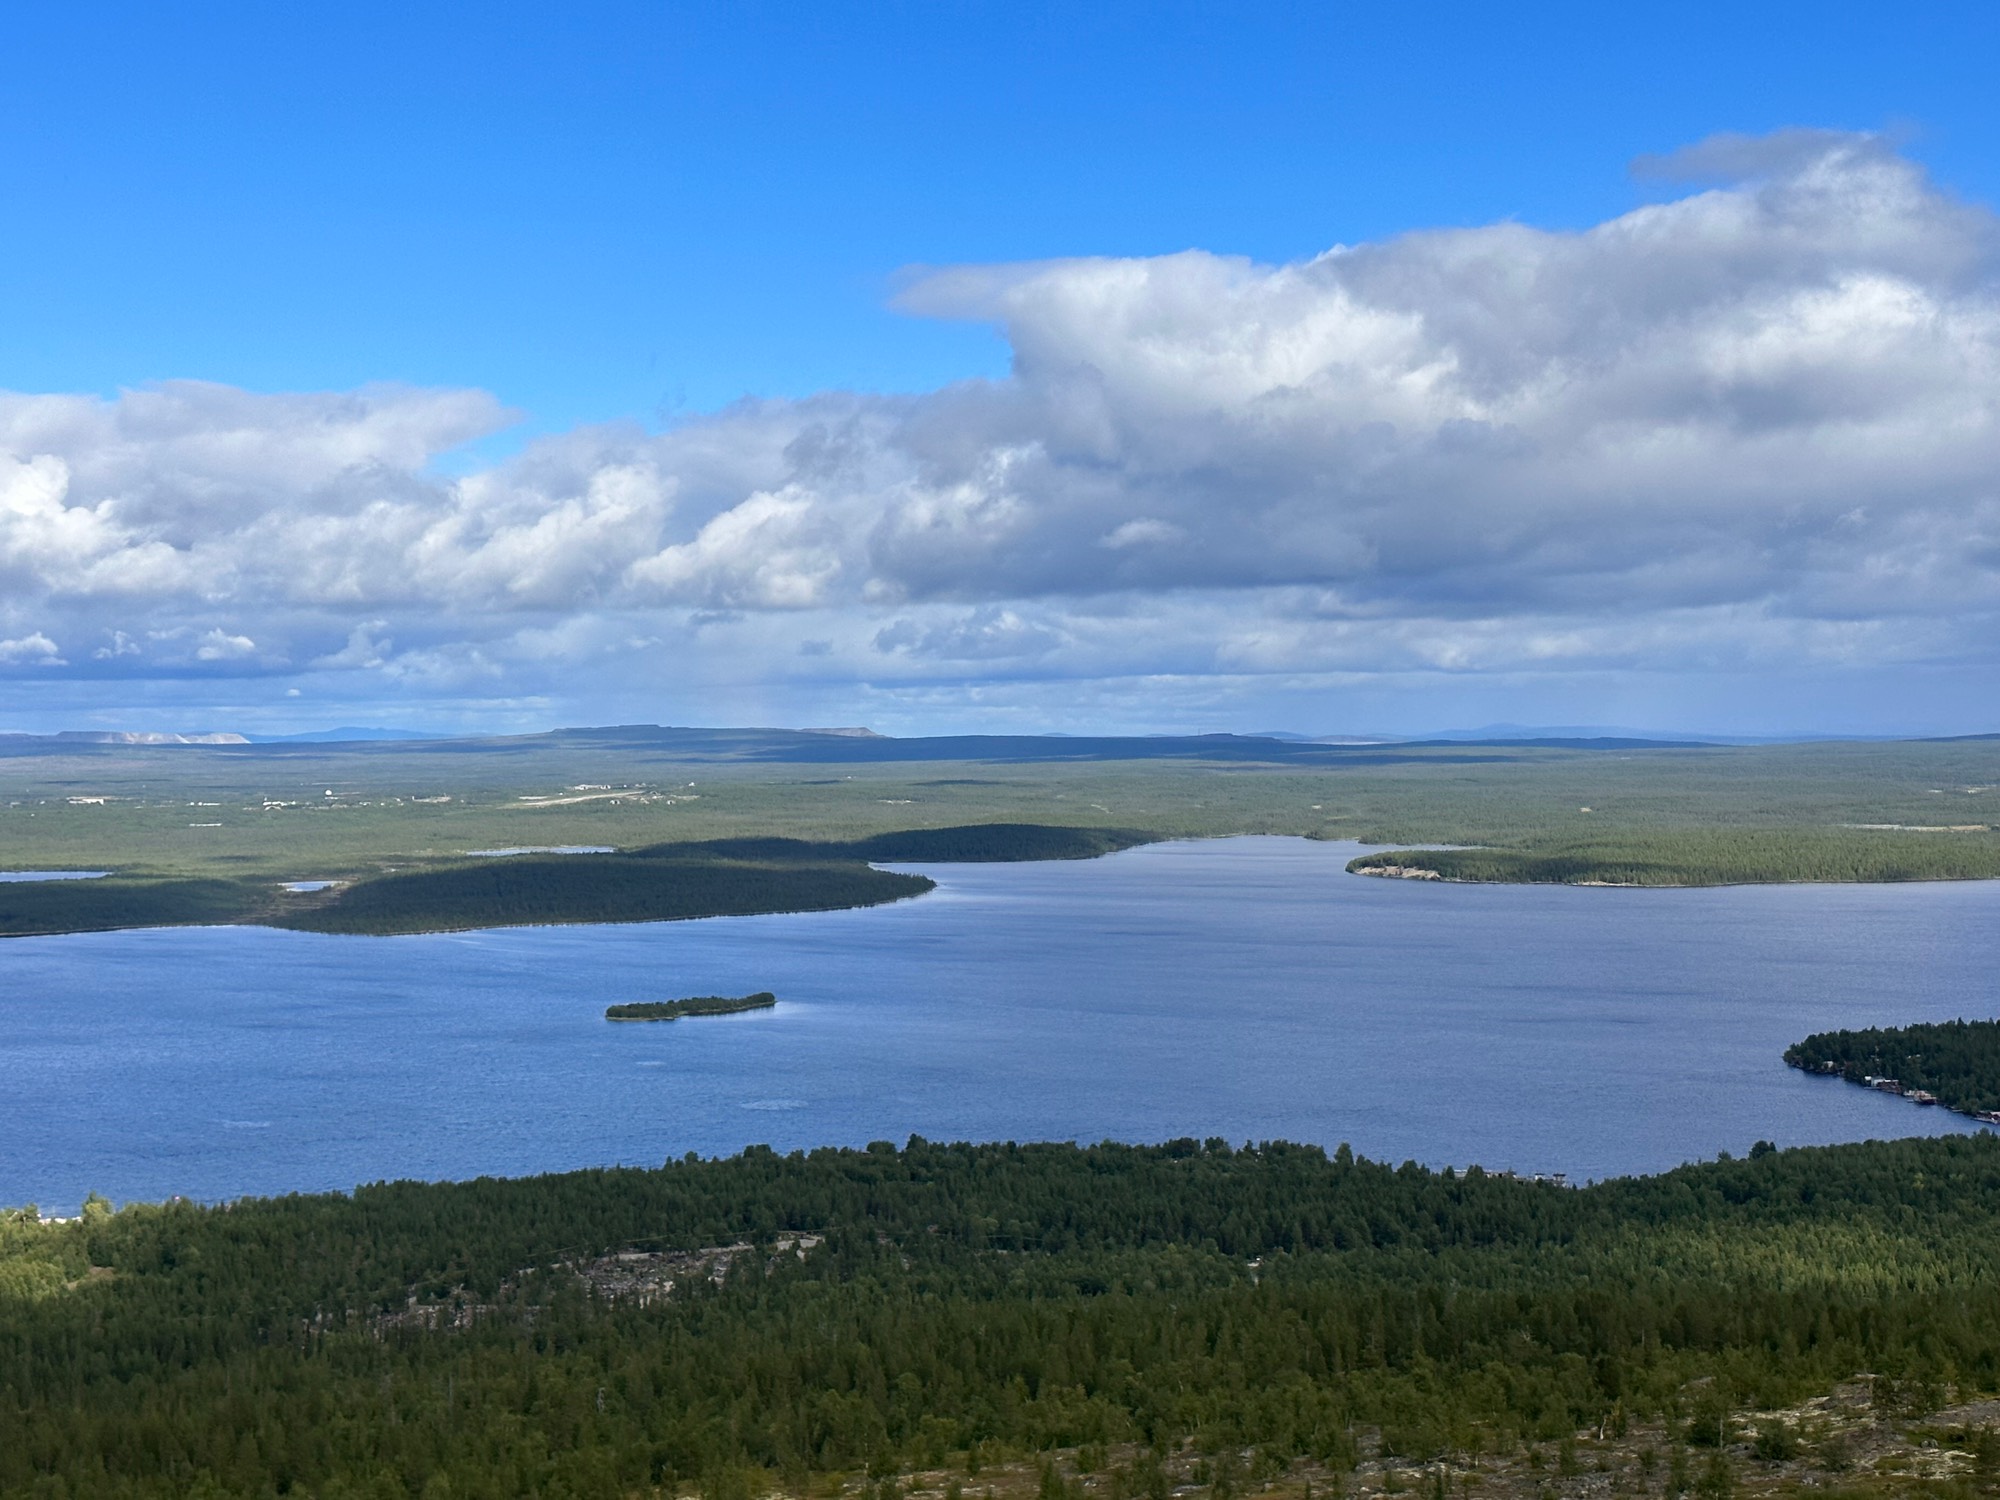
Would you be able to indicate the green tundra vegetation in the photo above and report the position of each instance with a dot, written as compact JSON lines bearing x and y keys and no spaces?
{"x":694,"y":1005}
{"x":252,"y":817}
{"x":847,"y":1311}
{"x":1959,"y":1061}
{"x":973,"y":843}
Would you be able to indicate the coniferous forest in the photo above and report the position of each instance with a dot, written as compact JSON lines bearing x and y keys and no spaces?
{"x":655,"y":883}
{"x":744,"y":1325}
{"x":1958,"y":1061}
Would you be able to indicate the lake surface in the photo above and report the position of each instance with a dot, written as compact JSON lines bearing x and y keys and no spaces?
{"x":1244,"y":988}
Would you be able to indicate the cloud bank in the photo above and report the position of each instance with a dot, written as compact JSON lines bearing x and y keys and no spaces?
{"x":1753,"y":429}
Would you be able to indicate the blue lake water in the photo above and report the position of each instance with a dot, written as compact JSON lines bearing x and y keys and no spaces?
{"x":1244,"y":988}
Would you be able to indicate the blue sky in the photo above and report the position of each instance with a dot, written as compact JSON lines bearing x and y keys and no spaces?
{"x":640,"y":214}
{"x":608,"y":210}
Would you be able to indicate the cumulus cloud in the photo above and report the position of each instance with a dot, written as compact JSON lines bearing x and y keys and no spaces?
{"x":366,"y":646}
{"x":35,"y":650}
{"x":220,"y":645}
{"x":1757,"y":421}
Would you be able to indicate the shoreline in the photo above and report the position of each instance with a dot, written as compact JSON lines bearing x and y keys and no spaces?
{"x":1425,"y":876}
{"x":1420,"y":874}
{"x":682,"y":881}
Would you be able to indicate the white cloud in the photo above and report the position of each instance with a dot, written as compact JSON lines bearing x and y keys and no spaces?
{"x":35,"y":650}
{"x":771,"y":551}
{"x":220,"y":645}
{"x":1755,"y":423}
{"x":366,"y":647}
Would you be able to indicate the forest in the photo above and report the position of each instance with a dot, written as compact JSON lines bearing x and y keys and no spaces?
{"x":653,"y":883}
{"x":867,"y":1312}
{"x":1958,"y":1061}
{"x":526,"y":890}
{"x":31,"y":907}
{"x":679,"y":880}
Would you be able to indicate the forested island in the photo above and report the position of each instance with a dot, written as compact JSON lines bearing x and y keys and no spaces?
{"x":693,"y":1005}
{"x":1952,"y":1063}
{"x":1038,"y":1321}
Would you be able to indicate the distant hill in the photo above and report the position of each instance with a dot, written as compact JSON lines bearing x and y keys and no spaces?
{"x":341,"y":736}
{"x":1526,"y":734}
{"x":811,"y":748}
{"x":846,"y":746}
{"x":137,"y":737}
{"x":1561,"y":742}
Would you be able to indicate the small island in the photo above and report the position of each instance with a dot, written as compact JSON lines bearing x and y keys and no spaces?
{"x":694,"y":1005}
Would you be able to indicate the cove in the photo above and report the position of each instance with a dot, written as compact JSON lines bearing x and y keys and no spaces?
{"x":1246,"y":988}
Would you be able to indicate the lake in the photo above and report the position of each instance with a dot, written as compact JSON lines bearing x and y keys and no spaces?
{"x":1245,"y":988}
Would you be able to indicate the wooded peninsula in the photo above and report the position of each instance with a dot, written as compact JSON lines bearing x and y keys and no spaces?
{"x":1952,"y":1063}
{"x":656,"y":883}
